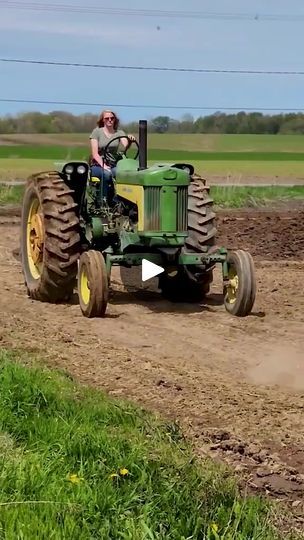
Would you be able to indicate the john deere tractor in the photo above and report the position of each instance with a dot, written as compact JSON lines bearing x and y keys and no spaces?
{"x":72,"y":234}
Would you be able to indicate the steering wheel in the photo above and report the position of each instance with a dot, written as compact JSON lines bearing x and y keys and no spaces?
{"x":110,"y":158}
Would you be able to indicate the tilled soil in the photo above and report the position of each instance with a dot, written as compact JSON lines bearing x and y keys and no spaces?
{"x":266,"y":233}
{"x":236,"y":386}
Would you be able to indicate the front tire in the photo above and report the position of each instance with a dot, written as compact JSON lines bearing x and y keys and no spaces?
{"x":93,"y":284}
{"x":240,"y":286}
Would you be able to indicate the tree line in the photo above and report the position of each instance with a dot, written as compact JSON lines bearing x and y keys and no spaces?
{"x":237,"y":123}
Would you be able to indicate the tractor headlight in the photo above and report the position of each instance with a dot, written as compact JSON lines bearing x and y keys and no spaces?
{"x":81,"y":169}
{"x":69,"y":169}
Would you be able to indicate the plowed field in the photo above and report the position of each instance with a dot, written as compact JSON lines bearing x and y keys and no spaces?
{"x":236,"y":386}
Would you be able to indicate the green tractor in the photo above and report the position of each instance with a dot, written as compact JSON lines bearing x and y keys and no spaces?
{"x":71,"y":235}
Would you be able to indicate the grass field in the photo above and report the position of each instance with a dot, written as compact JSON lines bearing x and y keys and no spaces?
{"x":77,"y":464}
{"x":241,"y":196}
{"x":225,"y":197}
{"x":188,"y":142}
{"x":155,"y":154}
{"x":15,"y":169}
{"x":11,"y":194}
{"x":231,"y":157}
{"x":230,"y":171}
{"x":240,"y":171}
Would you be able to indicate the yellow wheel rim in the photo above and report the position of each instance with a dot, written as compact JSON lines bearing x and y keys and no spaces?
{"x":35,"y":239}
{"x":85,"y":292}
{"x":232,"y":287}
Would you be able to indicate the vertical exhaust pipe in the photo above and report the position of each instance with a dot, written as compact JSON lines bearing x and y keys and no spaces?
{"x":142,"y":142}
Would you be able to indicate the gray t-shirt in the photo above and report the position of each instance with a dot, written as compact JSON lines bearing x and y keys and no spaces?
{"x":103,"y":140}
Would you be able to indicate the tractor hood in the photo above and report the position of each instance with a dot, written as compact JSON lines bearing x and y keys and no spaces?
{"x":156,"y":175}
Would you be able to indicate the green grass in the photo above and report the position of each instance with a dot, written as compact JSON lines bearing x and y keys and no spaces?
{"x":57,"y":152}
{"x":52,"y":429}
{"x":11,"y":194}
{"x":190,"y":142}
{"x":228,"y":143}
{"x":228,"y":197}
{"x":236,"y":159}
{"x":49,"y":152}
{"x":242,"y":170}
{"x":243,"y":196}
{"x":12,"y":169}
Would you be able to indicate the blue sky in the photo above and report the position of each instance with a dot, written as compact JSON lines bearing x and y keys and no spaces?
{"x":187,"y":43}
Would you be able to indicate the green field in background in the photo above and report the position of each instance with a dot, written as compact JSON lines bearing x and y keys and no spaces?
{"x":58,"y":152}
{"x":171,"y":141}
{"x":231,"y":157}
{"x":235,"y":171}
{"x":228,"y":197}
{"x":20,"y":169}
{"x":232,"y":171}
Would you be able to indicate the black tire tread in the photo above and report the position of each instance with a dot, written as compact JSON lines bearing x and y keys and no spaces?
{"x":201,"y":217}
{"x":61,"y":238}
{"x":245,"y":265}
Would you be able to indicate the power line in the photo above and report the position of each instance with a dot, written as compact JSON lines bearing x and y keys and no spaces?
{"x":171,"y":14}
{"x":147,"y":106}
{"x":152,"y":68}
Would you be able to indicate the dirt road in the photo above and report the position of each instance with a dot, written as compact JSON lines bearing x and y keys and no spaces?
{"x":235,"y":385}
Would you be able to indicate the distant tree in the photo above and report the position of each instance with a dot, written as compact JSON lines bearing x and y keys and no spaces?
{"x":186,"y":125}
{"x":174,"y":126}
{"x":241,"y":122}
{"x":295,"y":125}
{"x":7,"y":124}
{"x":161,"y":124}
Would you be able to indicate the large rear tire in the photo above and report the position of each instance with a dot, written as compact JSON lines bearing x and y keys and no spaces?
{"x":50,"y":241}
{"x":191,"y":283}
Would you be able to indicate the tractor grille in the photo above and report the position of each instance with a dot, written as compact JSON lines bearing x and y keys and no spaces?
{"x":182,"y":208}
{"x":152,"y":208}
{"x":154,"y":221}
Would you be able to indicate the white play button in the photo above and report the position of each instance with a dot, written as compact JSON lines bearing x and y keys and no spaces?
{"x":150,"y":270}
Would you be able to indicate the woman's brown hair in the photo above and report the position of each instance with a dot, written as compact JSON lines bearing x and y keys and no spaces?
{"x":100,"y":121}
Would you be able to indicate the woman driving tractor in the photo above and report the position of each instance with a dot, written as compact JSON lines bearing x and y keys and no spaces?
{"x":101,"y":136}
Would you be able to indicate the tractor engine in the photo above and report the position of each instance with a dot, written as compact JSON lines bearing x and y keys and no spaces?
{"x":156,"y":197}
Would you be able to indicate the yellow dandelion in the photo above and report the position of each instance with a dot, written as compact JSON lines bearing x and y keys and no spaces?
{"x":214,"y":527}
{"x":114,"y":475}
{"x":123,"y":472}
{"x":74,"y":478}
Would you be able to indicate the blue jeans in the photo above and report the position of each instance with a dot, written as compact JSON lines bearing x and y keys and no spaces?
{"x":106,"y":176}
